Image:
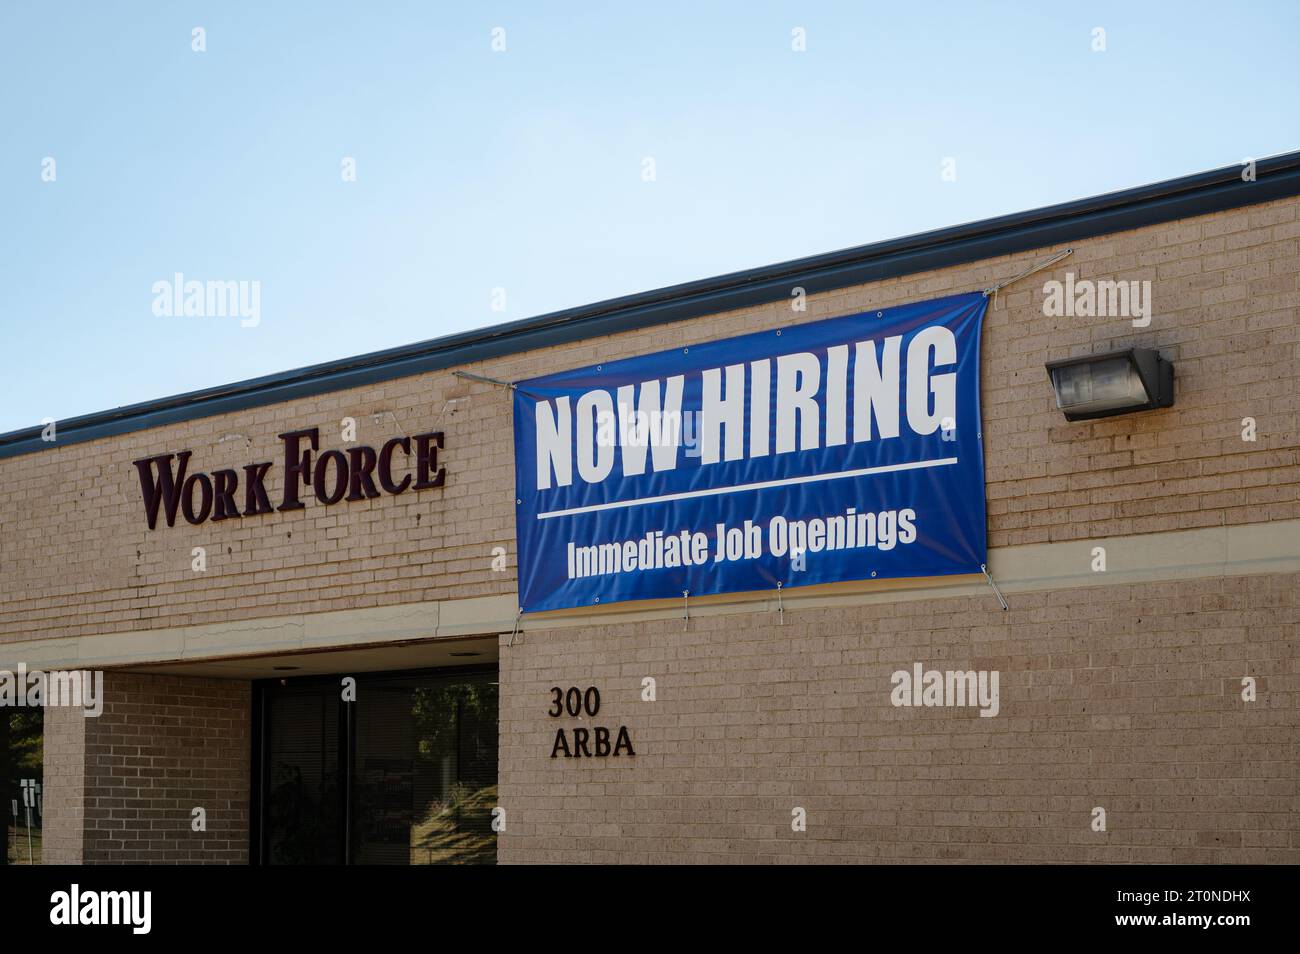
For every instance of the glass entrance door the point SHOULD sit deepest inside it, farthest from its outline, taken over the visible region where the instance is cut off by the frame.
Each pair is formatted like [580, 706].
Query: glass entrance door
[406, 774]
[303, 805]
[22, 802]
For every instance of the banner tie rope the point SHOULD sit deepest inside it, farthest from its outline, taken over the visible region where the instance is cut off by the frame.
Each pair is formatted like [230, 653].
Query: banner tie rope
[486, 380]
[993, 289]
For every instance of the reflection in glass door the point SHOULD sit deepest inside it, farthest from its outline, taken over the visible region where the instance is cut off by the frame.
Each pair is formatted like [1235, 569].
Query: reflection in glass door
[425, 767]
[407, 774]
[22, 800]
[302, 805]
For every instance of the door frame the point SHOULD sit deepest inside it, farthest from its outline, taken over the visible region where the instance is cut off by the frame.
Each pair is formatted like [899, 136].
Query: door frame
[257, 833]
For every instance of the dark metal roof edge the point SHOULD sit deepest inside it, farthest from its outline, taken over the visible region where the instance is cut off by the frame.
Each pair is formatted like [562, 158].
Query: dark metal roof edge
[1198, 194]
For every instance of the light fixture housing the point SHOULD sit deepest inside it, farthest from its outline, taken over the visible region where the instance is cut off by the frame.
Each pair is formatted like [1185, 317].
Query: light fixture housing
[1118, 382]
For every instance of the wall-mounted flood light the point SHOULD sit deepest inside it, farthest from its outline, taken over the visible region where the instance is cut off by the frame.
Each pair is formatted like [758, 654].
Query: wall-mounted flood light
[1120, 382]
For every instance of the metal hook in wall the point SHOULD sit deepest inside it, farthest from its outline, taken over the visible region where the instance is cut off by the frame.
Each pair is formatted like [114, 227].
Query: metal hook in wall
[686, 610]
[518, 617]
[385, 414]
[780, 606]
[996, 592]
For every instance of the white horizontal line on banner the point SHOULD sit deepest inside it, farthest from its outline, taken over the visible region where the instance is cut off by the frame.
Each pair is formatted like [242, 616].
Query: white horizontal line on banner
[761, 485]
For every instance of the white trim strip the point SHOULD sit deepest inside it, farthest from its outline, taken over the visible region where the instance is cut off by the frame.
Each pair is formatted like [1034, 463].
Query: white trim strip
[761, 485]
[1136, 560]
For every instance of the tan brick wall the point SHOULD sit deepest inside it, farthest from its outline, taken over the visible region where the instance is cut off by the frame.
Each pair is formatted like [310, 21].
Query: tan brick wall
[1122, 697]
[76, 557]
[164, 746]
[64, 785]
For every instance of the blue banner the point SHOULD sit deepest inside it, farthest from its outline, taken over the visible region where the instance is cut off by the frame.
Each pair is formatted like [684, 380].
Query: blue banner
[843, 449]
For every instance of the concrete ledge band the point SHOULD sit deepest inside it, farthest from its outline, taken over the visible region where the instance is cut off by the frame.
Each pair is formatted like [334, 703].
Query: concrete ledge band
[1145, 558]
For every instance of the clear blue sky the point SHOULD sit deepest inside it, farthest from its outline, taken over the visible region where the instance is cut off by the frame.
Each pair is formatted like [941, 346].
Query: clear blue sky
[523, 169]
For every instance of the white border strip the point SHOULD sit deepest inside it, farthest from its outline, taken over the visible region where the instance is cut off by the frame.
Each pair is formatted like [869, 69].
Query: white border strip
[761, 485]
[1135, 560]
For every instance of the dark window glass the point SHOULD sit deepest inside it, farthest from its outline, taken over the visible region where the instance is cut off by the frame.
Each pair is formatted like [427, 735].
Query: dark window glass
[425, 771]
[407, 774]
[303, 801]
[22, 764]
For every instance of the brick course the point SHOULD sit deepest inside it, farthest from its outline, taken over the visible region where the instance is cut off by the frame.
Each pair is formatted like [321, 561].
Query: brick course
[63, 788]
[164, 746]
[1121, 697]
